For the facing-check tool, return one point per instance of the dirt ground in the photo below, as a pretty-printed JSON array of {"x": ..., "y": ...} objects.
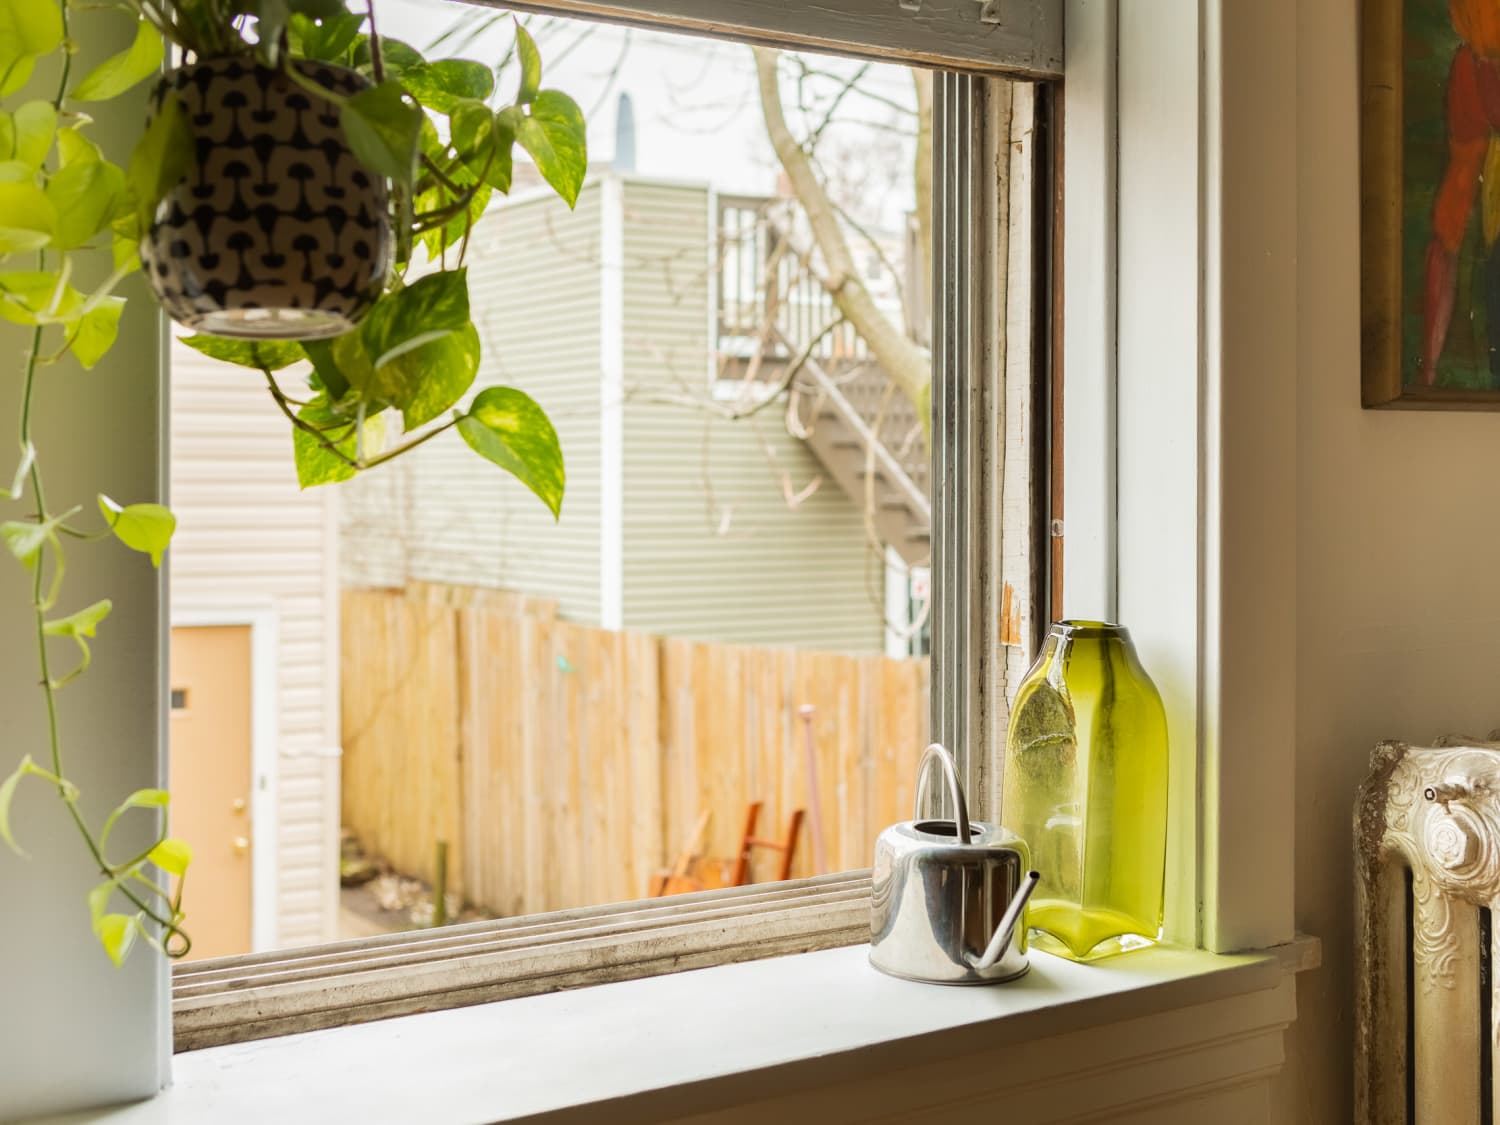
[{"x": 376, "y": 900}]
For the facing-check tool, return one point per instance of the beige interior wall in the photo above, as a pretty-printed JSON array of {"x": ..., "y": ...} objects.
[{"x": 1398, "y": 539}]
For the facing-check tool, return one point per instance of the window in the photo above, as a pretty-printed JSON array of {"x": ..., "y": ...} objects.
[
  {"x": 672, "y": 265},
  {"x": 1163, "y": 129}
]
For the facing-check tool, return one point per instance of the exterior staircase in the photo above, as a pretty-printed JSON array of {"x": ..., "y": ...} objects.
[{"x": 778, "y": 332}]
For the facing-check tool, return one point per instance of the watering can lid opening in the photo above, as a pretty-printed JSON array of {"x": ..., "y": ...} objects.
[
  {"x": 948, "y": 829},
  {"x": 943, "y": 834}
]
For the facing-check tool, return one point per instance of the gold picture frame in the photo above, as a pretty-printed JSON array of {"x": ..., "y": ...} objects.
[{"x": 1429, "y": 225}]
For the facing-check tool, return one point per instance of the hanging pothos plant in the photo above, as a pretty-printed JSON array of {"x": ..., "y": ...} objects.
[{"x": 303, "y": 190}]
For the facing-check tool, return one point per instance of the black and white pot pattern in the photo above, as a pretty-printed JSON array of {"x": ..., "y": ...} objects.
[{"x": 279, "y": 230}]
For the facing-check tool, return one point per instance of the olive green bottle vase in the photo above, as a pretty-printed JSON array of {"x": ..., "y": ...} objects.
[{"x": 1086, "y": 788}]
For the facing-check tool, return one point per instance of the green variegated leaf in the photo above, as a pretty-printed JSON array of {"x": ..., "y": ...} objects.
[
  {"x": 397, "y": 56},
  {"x": 140, "y": 799},
  {"x": 7, "y": 794},
  {"x": 338, "y": 364},
  {"x": 17, "y": 74},
  {"x": 73, "y": 146},
  {"x": 557, "y": 139},
  {"x": 146, "y": 528},
  {"x": 531, "y": 65},
  {"x": 79, "y": 625},
  {"x": 86, "y": 194},
  {"x": 94, "y": 333},
  {"x": 328, "y": 40},
  {"x": 382, "y": 126},
  {"x": 483, "y": 142},
  {"x": 161, "y": 158},
  {"x": 23, "y": 468},
  {"x": 27, "y": 218},
  {"x": 28, "y": 28},
  {"x": 125, "y": 253},
  {"x": 439, "y": 371},
  {"x": 263, "y": 355},
  {"x": 27, "y": 295},
  {"x": 117, "y": 934},
  {"x": 120, "y": 72},
  {"x": 507, "y": 427},
  {"x": 99, "y": 901},
  {"x": 429, "y": 308},
  {"x": 29, "y": 132},
  {"x": 172, "y": 856},
  {"x": 441, "y": 85},
  {"x": 317, "y": 464},
  {"x": 450, "y": 236},
  {"x": 83, "y": 623},
  {"x": 26, "y": 540},
  {"x": 28, "y": 768},
  {"x": 317, "y": 9},
  {"x": 271, "y": 17}
]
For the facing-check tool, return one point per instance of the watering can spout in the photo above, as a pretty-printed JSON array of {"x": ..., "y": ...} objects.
[{"x": 1006, "y": 928}]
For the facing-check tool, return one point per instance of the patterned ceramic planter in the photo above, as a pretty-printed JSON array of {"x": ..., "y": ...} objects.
[{"x": 279, "y": 231}]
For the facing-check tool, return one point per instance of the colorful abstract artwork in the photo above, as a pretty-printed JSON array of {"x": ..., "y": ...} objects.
[{"x": 1430, "y": 203}]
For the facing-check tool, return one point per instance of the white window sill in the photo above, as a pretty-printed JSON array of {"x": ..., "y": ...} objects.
[{"x": 685, "y": 1043}]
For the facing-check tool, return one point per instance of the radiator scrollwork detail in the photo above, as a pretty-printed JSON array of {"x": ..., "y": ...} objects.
[{"x": 1431, "y": 814}]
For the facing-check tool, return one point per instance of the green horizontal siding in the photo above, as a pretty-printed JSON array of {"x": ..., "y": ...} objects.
[
  {"x": 768, "y": 573},
  {"x": 444, "y": 515}
]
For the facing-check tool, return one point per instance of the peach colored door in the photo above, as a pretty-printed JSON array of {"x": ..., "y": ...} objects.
[{"x": 211, "y": 772}]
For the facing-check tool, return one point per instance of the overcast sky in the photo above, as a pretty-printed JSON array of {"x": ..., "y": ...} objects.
[{"x": 695, "y": 101}]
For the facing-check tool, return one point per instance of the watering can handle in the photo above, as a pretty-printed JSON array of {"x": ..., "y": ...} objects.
[{"x": 937, "y": 753}]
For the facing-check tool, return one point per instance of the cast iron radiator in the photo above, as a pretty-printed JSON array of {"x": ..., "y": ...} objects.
[{"x": 1427, "y": 874}]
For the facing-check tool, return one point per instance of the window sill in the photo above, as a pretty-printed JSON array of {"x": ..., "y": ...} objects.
[{"x": 732, "y": 1035}]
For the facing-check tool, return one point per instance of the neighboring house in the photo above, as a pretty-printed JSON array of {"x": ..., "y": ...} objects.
[
  {"x": 676, "y": 520},
  {"x": 255, "y": 670}
]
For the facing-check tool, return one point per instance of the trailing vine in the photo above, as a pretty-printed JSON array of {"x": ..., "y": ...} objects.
[{"x": 413, "y": 357}]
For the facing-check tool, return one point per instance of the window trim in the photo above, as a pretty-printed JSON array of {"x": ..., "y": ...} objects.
[
  {"x": 968, "y": 404},
  {"x": 1013, "y": 38},
  {"x": 241, "y": 998},
  {"x": 1104, "y": 254}
]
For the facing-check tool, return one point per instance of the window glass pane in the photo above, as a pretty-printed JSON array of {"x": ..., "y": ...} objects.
[{"x": 712, "y": 669}]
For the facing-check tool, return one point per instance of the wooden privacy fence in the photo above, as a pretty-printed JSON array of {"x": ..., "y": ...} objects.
[{"x": 566, "y": 764}]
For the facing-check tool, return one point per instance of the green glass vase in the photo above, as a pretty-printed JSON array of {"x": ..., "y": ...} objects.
[{"x": 1086, "y": 788}]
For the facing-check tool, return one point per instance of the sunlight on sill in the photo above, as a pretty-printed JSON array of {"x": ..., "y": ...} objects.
[{"x": 828, "y": 1011}]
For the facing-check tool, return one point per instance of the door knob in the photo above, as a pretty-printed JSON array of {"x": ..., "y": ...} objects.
[{"x": 242, "y": 844}]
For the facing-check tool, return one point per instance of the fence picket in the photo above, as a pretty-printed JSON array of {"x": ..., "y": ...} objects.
[{"x": 566, "y": 765}]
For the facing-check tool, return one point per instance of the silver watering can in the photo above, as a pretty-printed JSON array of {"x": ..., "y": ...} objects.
[{"x": 947, "y": 896}]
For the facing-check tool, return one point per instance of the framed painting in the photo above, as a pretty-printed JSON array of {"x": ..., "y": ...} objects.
[{"x": 1430, "y": 203}]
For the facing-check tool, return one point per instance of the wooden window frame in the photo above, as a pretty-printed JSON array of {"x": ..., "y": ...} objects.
[
  {"x": 974, "y": 42},
  {"x": 1143, "y": 114}
]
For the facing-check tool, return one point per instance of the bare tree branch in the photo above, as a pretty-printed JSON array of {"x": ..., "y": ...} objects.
[
  {"x": 805, "y": 71},
  {"x": 907, "y": 365},
  {"x": 834, "y": 103}
]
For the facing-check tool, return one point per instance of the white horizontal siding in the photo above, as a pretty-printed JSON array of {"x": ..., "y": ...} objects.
[{"x": 248, "y": 536}]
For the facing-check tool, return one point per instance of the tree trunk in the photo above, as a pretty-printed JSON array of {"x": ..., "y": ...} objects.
[
  {"x": 922, "y": 180},
  {"x": 906, "y": 364}
]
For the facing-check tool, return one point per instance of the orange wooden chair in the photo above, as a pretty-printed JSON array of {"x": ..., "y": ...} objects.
[
  {"x": 787, "y": 846},
  {"x": 695, "y": 872}
]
